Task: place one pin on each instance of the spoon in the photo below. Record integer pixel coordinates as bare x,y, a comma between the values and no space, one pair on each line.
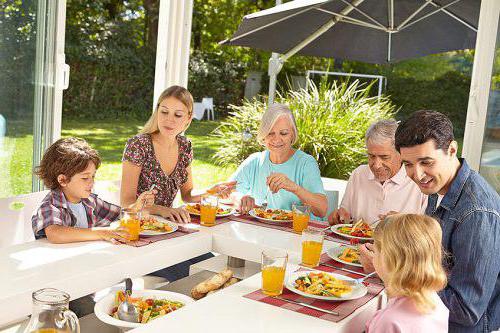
126,310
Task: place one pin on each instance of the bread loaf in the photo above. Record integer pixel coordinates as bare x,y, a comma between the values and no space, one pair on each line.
215,282
231,281
196,295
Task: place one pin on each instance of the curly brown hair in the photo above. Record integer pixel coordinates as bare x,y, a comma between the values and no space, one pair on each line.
67,157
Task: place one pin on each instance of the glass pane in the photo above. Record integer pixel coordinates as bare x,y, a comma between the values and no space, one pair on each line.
490,158
24,28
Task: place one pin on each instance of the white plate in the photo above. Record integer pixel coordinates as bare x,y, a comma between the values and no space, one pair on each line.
102,309
334,228
358,291
155,233
253,214
218,215
334,253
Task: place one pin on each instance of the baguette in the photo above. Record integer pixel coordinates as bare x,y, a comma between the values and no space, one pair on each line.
231,281
215,282
196,295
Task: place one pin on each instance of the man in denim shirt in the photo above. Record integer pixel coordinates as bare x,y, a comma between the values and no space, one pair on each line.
468,210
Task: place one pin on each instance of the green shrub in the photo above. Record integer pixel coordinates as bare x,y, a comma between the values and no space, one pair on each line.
448,94
331,119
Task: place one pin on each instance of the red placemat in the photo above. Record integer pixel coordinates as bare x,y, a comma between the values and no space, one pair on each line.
287,226
146,240
344,308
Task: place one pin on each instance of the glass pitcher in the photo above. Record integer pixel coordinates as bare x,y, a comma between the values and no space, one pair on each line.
51,313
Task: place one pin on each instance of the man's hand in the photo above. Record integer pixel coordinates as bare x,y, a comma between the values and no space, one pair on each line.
366,257
339,216
383,216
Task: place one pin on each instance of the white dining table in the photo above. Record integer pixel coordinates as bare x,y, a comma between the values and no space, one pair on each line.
83,268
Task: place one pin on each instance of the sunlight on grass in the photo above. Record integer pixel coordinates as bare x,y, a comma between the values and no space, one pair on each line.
110,138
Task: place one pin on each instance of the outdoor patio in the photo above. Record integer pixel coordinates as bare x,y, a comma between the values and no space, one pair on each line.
97,70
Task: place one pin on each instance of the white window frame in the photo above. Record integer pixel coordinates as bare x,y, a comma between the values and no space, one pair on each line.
51,78
172,50
481,82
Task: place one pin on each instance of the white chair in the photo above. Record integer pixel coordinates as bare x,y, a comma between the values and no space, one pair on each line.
15,220
198,111
208,103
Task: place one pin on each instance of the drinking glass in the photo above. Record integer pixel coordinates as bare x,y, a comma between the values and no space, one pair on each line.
301,214
208,210
130,222
312,244
273,271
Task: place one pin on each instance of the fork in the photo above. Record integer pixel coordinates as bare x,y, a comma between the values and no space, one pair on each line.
144,202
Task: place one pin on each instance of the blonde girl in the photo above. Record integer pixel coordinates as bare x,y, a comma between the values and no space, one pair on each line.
161,155
407,257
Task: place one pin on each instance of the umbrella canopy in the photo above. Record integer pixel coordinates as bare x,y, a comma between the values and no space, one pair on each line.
374,31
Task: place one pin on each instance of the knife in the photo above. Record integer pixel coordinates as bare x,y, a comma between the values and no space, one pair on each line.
307,305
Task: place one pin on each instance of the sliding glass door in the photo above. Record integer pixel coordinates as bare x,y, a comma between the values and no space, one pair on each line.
33,74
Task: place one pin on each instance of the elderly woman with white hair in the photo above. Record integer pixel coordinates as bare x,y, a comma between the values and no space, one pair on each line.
279,175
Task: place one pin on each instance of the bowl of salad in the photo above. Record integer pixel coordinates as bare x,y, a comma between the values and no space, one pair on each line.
152,304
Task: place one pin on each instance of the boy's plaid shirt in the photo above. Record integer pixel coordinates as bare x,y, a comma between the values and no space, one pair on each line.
54,210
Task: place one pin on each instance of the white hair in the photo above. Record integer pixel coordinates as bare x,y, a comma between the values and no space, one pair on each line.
270,117
382,131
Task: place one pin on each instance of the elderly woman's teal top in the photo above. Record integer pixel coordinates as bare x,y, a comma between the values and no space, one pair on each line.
301,168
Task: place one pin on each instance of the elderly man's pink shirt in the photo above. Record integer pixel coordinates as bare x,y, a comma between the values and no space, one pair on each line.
365,197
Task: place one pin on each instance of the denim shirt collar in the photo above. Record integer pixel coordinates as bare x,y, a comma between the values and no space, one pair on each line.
451,197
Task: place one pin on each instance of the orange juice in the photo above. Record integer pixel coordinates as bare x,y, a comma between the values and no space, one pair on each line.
49,330
272,280
132,226
207,215
300,222
311,252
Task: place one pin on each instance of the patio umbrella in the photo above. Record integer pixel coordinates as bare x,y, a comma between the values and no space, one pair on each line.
374,31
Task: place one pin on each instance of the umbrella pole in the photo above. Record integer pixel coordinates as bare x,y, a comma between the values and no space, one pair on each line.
273,70
275,65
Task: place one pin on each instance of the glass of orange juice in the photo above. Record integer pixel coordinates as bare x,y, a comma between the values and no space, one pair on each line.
130,222
312,244
300,214
273,271
208,210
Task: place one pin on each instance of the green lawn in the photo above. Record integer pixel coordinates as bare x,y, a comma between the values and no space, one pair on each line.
109,138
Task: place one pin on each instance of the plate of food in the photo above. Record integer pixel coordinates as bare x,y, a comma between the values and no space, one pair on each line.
345,254
324,286
359,230
222,211
156,225
272,215
152,304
